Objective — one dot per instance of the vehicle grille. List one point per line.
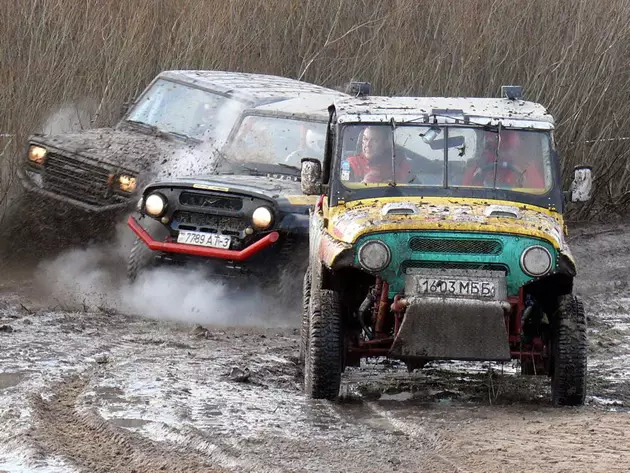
(201, 222)
(214, 201)
(459, 246)
(454, 265)
(72, 178)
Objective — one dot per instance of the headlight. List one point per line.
(374, 255)
(262, 218)
(127, 183)
(155, 205)
(37, 154)
(536, 261)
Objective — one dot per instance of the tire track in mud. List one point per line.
(431, 441)
(94, 445)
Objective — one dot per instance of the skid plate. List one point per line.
(452, 329)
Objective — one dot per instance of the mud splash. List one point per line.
(94, 278)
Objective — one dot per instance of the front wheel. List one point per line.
(140, 258)
(569, 353)
(322, 373)
(306, 322)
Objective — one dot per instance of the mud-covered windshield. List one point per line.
(273, 140)
(449, 157)
(176, 108)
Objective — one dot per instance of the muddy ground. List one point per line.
(86, 386)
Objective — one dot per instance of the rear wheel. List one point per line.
(322, 374)
(569, 353)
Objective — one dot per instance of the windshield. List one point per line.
(448, 157)
(273, 140)
(176, 108)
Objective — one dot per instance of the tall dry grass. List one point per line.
(573, 56)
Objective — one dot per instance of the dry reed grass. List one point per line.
(571, 56)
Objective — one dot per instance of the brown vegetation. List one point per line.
(571, 56)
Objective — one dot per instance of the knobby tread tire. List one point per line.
(140, 257)
(324, 357)
(304, 328)
(569, 347)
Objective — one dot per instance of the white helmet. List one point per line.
(315, 140)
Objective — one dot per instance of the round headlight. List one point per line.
(127, 183)
(155, 205)
(374, 255)
(536, 261)
(262, 218)
(37, 154)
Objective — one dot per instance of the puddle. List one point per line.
(8, 380)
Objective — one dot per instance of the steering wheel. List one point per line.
(505, 165)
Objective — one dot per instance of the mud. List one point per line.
(85, 389)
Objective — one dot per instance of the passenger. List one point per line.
(516, 166)
(313, 147)
(374, 162)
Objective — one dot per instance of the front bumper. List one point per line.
(193, 250)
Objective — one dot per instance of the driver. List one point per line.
(515, 166)
(374, 162)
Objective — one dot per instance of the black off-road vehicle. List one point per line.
(249, 215)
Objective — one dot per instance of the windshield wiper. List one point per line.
(393, 181)
(288, 166)
(158, 131)
(147, 126)
(183, 136)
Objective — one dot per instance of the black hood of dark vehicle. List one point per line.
(270, 187)
(130, 149)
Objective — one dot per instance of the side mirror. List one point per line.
(311, 176)
(582, 186)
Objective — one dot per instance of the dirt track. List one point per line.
(93, 390)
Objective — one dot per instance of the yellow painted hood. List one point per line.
(348, 222)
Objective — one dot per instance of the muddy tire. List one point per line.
(569, 353)
(305, 326)
(140, 258)
(322, 374)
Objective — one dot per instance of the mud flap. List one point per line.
(452, 329)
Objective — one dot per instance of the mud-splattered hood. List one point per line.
(348, 222)
(283, 189)
(126, 149)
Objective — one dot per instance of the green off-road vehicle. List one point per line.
(439, 235)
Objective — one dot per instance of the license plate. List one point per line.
(455, 287)
(204, 239)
